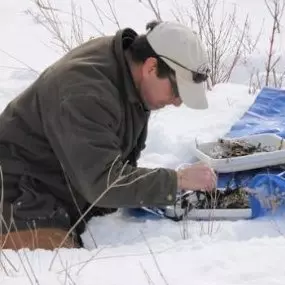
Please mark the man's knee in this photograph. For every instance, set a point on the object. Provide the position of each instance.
(43, 238)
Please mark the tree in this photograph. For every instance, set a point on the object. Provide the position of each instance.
(66, 28)
(227, 44)
(276, 10)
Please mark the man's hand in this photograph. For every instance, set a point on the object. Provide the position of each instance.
(197, 177)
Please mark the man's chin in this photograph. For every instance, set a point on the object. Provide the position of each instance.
(155, 108)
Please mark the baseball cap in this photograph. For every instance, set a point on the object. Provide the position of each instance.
(182, 50)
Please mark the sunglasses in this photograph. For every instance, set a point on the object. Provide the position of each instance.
(199, 77)
(196, 76)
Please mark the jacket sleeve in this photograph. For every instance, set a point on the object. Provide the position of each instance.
(82, 132)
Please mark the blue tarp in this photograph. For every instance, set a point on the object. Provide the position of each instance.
(265, 115)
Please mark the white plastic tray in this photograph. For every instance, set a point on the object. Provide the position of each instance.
(261, 159)
(220, 214)
(213, 214)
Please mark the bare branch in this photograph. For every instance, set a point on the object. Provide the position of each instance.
(66, 35)
(47, 16)
(76, 24)
(118, 182)
(155, 260)
(237, 53)
(20, 61)
(148, 278)
(97, 11)
(76, 205)
(113, 19)
(113, 12)
(154, 7)
(276, 10)
(269, 8)
(226, 44)
(179, 12)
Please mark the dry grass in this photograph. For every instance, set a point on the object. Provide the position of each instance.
(118, 182)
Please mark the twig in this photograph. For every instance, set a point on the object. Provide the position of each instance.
(226, 45)
(94, 257)
(153, 7)
(114, 184)
(113, 12)
(276, 13)
(77, 206)
(149, 280)
(21, 260)
(89, 260)
(20, 61)
(116, 256)
(2, 253)
(67, 275)
(155, 260)
(24, 252)
(3, 244)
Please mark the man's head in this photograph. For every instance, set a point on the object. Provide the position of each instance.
(172, 66)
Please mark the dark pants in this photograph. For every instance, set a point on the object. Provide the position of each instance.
(28, 205)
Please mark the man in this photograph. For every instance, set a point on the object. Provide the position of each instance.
(71, 141)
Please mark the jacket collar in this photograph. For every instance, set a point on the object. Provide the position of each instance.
(122, 41)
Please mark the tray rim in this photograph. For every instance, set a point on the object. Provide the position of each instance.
(235, 163)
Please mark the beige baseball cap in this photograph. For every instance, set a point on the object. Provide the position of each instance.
(181, 48)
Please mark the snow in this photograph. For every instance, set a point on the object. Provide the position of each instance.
(137, 251)
(172, 129)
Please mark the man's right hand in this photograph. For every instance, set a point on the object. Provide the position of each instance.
(197, 176)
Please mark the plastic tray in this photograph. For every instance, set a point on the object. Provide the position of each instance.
(257, 160)
(213, 214)
(220, 214)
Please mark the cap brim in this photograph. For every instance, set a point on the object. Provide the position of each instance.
(192, 94)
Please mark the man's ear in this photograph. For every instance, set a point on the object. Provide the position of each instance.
(149, 66)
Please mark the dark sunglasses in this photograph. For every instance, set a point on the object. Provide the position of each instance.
(199, 77)
(196, 76)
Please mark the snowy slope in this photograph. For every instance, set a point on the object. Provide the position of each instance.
(136, 251)
(132, 251)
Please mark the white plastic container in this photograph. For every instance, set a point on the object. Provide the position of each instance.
(212, 214)
(220, 214)
(257, 160)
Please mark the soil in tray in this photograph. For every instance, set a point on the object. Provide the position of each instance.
(228, 199)
(235, 148)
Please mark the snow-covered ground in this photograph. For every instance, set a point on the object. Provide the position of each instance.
(137, 251)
